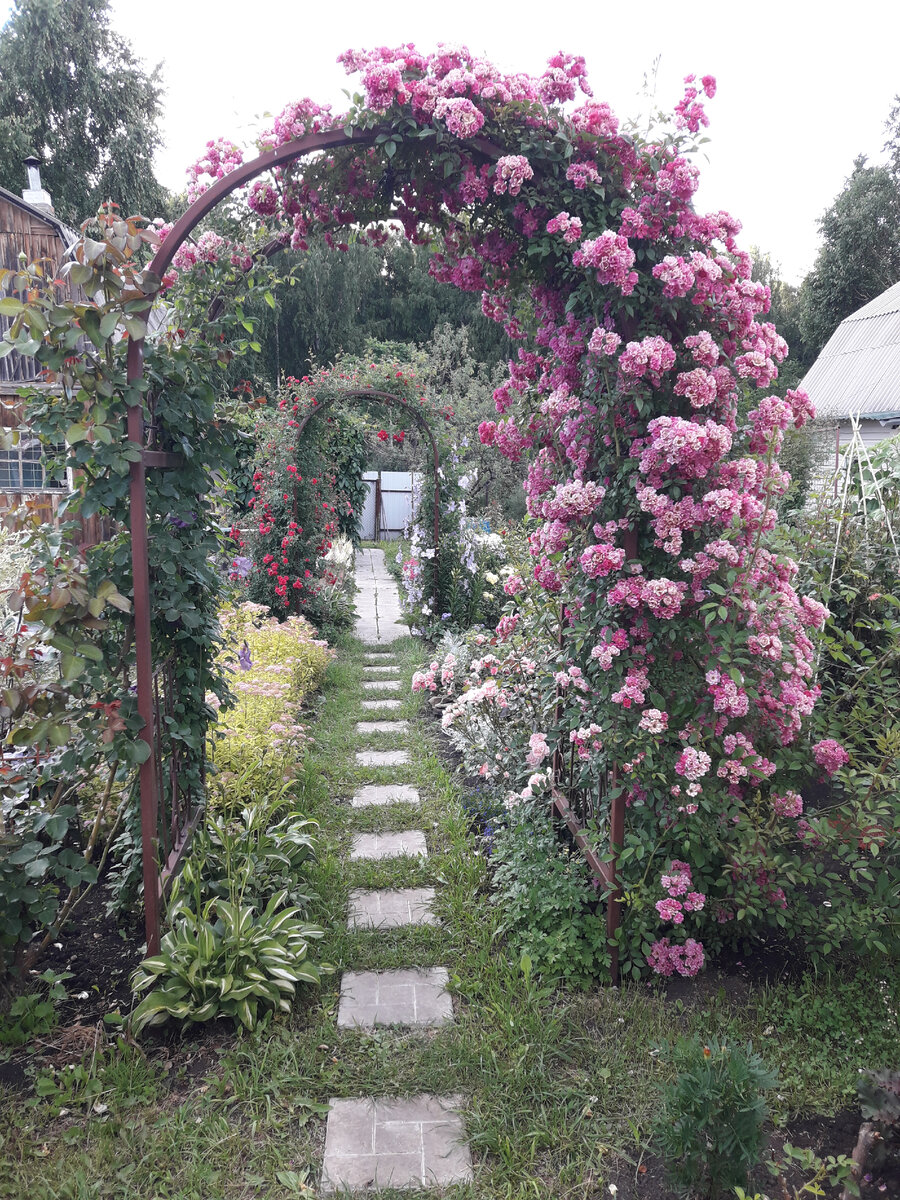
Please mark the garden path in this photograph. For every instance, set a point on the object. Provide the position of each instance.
(387, 1141)
(377, 601)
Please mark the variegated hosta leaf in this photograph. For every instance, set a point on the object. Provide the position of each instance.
(228, 962)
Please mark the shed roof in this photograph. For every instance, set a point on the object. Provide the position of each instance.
(858, 371)
(67, 235)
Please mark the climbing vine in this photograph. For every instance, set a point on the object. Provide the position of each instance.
(68, 674)
(683, 641)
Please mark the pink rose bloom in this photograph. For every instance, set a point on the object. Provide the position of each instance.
(830, 754)
(788, 805)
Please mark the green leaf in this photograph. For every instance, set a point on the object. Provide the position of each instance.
(89, 650)
(80, 274)
(10, 306)
(137, 329)
(71, 667)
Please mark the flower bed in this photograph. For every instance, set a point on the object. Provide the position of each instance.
(278, 665)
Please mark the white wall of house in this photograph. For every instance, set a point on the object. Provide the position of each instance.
(871, 432)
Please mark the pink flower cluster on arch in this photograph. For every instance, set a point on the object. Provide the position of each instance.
(651, 497)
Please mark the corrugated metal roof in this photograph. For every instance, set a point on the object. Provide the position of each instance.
(858, 371)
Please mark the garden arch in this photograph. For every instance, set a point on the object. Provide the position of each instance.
(332, 139)
(391, 399)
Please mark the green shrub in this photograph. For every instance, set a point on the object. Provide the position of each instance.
(549, 912)
(709, 1130)
(226, 961)
(277, 667)
(33, 1014)
(261, 855)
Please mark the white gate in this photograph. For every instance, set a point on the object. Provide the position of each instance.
(388, 505)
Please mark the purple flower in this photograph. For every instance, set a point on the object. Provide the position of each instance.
(244, 657)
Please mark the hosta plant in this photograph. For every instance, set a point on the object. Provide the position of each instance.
(245, 858)
(226, 961)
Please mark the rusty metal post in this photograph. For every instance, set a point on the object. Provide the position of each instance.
(557, 757)
(439, 598)
(144, 656)
(614, 901)
(617, 828)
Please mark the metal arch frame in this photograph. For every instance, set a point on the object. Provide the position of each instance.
(329, 139)
(390, 398)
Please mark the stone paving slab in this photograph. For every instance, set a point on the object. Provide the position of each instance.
(382, 758)
(377, 601)
(382, 726)
(414, 1143)
(378, 659)
(380, 670)
(389, 793)
(400, 997)
(389, 845)
(386, 703)
(381, 685)
(389, 909)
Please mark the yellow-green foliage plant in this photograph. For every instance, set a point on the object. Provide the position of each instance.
(277, 666)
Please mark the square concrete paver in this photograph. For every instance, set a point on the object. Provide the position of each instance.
(386, 704)
(419, 1142)
(385, 793)
(382, 758)
(382, 726)
(404, 997)
(389, 845)
(390, 909)
(381, 685)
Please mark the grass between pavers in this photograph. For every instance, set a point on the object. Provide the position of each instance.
(559, 1087)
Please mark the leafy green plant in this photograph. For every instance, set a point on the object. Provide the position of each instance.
(547, 904)
(34, 1013)
(835, 1170)
(226, 961)
(709, 1130)
(248, 858)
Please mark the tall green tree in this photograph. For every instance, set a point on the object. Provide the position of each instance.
(785, 316)
(340, 299)
(73, 92)
(860, 253)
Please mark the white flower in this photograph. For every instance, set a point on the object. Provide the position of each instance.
(492, 579)
(426, 611)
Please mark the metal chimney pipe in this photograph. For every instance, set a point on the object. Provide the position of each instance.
(33, 167)
(35, 194)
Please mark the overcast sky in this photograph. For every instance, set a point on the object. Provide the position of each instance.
(803, 87)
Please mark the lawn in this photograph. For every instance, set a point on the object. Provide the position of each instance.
(560, 1087)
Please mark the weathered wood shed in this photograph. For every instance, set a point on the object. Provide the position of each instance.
(29, 226)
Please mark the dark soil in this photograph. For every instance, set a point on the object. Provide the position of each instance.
(100, 951)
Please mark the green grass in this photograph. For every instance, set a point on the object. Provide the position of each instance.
(559, 1087)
